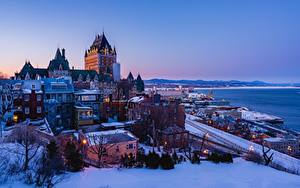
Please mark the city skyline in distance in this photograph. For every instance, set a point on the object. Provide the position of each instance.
(196, 40)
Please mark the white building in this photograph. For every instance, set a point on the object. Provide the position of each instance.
(116, 72)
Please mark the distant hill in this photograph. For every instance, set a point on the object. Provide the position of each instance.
(213, 83)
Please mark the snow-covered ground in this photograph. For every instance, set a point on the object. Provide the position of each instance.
(240, 174)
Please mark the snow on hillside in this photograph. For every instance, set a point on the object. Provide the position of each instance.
(240, 174)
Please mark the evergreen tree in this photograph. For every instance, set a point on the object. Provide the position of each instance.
(55, 157)
(131, 160)
(166, 162)
(227, 158)
(152, 160)
(195, 159)
(128, 161)
(50, 164)
(175, 157)
(214, 157)
(140, 159)
(125, 161)
(73, 157)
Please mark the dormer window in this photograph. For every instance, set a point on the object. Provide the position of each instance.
(27, 77)
(80, 77)
(96, 78)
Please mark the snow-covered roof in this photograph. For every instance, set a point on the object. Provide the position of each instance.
(118, 124)
(83, 107)
(88, 92)
(113, 124)
(28, 91)
(136, 99)
(278, 139)
(274, 139)
(110, 137)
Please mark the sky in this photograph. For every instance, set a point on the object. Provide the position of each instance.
(175, 39)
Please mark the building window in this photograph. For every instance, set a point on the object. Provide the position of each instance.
(130, 146)
(38, 110)
(39, 97)
(26, 110)
(26, 97)
(33, 87)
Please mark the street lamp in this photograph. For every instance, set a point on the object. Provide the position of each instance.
(84, 141)
(251, 148)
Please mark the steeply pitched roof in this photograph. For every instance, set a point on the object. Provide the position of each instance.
(130, 76)
(32, 72)
(101, 42)
(59, 62)
(139, 77)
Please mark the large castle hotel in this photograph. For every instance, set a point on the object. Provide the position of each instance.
(102, 58)
(100, 68)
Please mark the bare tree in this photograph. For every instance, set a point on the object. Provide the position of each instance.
(268, 157)
(29, 141)
(6, 102)
(204, 138)
(98, 146)
(160, 119)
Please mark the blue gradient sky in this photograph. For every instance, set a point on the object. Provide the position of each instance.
(245, 40)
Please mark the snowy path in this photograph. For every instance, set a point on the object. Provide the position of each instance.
(242, 144)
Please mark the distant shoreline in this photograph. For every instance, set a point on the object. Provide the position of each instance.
(248, 87)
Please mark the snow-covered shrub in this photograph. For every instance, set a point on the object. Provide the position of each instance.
(140, 159)
(175, 157)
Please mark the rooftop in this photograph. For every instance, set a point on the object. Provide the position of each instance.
(110, 137)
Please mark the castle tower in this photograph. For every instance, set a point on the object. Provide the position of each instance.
(101, 57)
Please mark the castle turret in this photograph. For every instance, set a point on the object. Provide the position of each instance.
(101, 57)
(139, 83)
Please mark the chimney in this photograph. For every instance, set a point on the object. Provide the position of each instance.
(63, 52)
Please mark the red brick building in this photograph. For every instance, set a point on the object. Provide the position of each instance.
(28, 100)
(163, 120)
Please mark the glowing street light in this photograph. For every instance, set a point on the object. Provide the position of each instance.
(84, 141)
(206, 151)
(251, 148)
